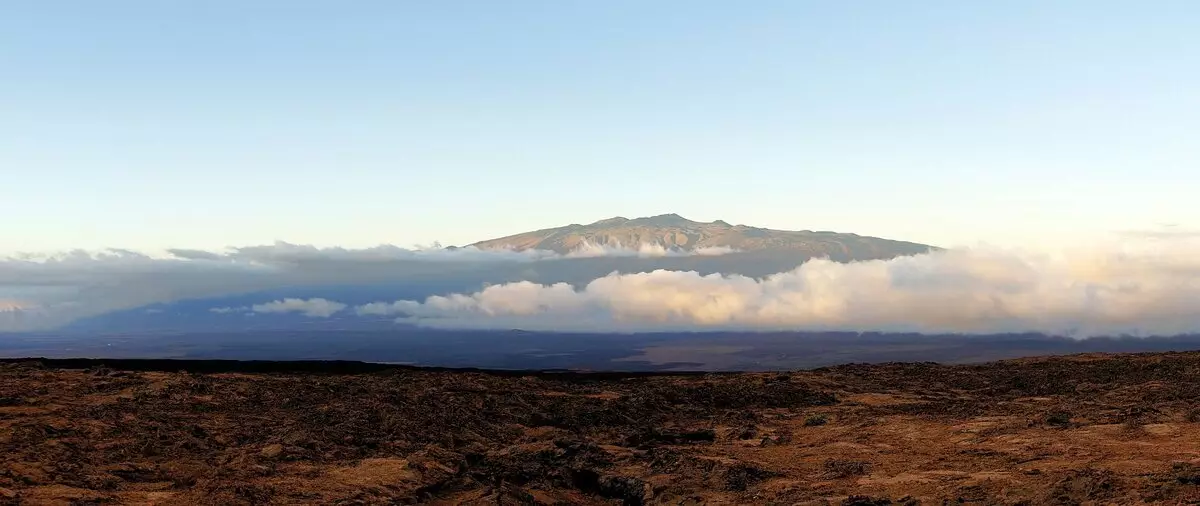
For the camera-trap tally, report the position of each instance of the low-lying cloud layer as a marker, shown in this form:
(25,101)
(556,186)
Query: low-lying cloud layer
(42,291)
(287,253)
(1150,288)
(1150,292)
(313,308)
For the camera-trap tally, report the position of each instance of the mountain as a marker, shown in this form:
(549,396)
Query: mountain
(674,231)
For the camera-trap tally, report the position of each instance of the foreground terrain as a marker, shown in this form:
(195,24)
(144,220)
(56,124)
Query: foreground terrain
(1089,429)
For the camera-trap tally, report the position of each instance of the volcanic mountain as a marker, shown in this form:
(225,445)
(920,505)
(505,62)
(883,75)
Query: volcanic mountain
(676,232)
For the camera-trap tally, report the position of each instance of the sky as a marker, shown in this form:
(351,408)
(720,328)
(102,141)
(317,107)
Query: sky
(205,124)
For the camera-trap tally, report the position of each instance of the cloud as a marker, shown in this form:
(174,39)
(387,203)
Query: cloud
(381,308)
(194,254)
(75,284)
(1115,292)
(316,308)
(67,286)
(288,253)
(713,251)
(588,249)
(1138,287)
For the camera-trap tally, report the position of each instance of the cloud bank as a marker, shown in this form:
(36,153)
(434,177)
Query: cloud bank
(1148,284)
(64,287)
(980,290)
(287,253)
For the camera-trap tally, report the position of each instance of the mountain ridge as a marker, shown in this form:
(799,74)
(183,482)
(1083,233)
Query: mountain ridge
(676,232)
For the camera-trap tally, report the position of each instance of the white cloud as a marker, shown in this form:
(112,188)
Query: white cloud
(287,253)
(316,308)
(1114,292)
(713,251)
(380,308)
(228,310)
(588,249)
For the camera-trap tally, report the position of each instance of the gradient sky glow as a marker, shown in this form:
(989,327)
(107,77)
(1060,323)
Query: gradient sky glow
(150,124)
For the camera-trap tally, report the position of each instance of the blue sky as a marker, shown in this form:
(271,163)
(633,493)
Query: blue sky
(149,124)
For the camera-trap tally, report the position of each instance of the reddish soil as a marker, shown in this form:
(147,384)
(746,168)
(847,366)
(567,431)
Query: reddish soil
(1118,429)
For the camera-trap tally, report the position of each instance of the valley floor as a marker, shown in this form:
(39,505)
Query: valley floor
(1088,429)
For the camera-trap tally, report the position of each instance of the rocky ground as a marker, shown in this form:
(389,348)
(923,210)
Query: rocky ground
(1119,429)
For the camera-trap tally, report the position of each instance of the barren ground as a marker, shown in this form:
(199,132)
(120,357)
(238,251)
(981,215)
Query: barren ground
(1119,429)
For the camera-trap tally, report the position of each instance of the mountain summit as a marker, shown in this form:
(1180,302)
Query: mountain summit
(675,231)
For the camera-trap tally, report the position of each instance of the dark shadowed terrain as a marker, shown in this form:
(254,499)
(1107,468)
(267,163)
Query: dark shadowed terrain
(710,351)
(1088,429)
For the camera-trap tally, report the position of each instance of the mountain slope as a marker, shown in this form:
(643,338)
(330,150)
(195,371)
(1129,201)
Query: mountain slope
(674,231)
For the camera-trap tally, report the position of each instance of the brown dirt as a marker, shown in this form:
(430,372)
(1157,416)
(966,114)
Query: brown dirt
(1074,430)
